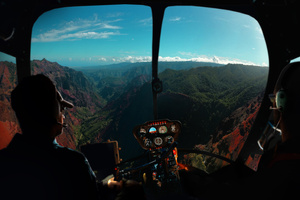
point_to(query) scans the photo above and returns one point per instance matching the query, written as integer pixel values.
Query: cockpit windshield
(213, 65)
(100, 59)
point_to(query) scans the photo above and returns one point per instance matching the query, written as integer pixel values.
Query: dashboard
(157, 134)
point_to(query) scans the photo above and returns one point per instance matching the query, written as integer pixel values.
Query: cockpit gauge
(169, 139)
(142, 131)
(152, 130)
(173, 128)
(147, 143)
(162, 129)
(158, 141)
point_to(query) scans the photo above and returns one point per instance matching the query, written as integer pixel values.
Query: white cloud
(102, 59)
(175, 19)
(76, 36)
(171, 59)
(203, 58)
(258, 29)
(108, 26)
(146, 22)
(134, 59)
(212, 59)
(189, 54)
(114, 15)
(80, 29)
(264, 64)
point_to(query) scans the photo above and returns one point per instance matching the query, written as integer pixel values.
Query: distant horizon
(204, 59)
(160, 61)
(11, 59)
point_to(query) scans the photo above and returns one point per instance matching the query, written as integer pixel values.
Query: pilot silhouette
(34, 166)
(278, 172)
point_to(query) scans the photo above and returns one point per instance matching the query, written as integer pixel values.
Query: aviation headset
(281, 97)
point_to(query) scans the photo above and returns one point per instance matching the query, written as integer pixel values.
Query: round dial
(147, 142)
(143, 132)
(169, 139)
(173, 128)
(152, 130)
(158, 141)
(162, 129)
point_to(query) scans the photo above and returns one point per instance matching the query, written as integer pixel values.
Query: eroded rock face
(73, 85)
(8, 121)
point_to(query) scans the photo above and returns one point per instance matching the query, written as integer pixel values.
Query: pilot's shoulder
(4, 154)
(70, 154)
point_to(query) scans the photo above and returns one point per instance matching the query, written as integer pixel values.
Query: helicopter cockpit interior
(173, 91)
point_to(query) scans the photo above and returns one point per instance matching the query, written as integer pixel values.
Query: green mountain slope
(112, 79)
(199, 97)
(202, 97)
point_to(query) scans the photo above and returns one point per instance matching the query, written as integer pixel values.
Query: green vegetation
(111, 100)
(201, 97)
(209, 84)
(111, 80)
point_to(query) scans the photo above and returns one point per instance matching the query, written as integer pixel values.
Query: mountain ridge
(73, 85)
(200, 97)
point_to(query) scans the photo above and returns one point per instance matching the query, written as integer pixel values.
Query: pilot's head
(39, 106)
(287, 98)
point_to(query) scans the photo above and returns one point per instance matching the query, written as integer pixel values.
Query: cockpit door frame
(157, 16)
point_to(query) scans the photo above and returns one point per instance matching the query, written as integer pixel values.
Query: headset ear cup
(281, 99)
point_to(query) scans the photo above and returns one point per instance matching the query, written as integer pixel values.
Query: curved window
(99, 58)
(213, 65)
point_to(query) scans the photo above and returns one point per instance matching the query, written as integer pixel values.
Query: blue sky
(89, 36)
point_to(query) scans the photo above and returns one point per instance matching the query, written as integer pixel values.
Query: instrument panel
(157, 134)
